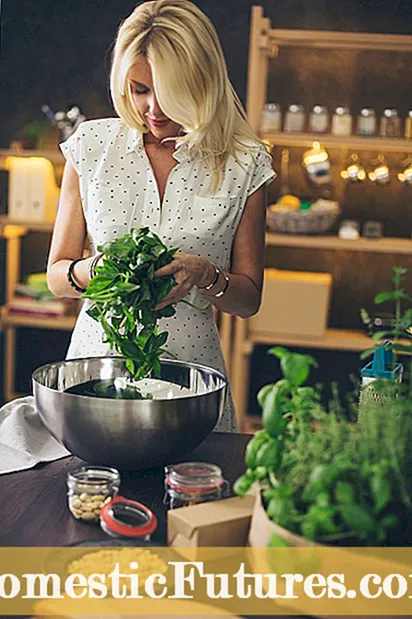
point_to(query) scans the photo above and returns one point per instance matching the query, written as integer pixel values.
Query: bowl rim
(196, 366)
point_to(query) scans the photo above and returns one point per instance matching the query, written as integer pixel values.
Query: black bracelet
(70, 278)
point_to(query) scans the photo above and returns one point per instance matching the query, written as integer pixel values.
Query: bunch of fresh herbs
(125, 295)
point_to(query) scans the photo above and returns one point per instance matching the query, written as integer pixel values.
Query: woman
(180, 159)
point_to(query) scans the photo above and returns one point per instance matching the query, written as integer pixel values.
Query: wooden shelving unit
(55, 156)
(264, 45)
(306, 140)
(13, 231)
(60, 323)
(334, 339)
(386, 245)
(34, 226)
(331, 39)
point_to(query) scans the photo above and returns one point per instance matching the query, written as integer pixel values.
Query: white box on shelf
(294, 303)
(33, 191)
(17, 202)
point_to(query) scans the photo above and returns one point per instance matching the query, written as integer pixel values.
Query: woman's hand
(188, 271)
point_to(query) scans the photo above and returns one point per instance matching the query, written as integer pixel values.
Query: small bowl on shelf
(318, 219)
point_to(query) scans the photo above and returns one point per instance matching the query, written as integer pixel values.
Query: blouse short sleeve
(72, 147)
(263, 172)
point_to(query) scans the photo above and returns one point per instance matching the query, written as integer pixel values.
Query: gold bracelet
(225, 287)
(214, 280)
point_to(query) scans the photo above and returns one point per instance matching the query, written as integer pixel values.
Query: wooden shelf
(60, 323)
(334, 339)
(352, 142)
(55, 156)
(384, 245)
(35, 226)
(326, 39)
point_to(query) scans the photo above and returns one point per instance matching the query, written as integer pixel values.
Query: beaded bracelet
(70, 278)
(225, 287)
(214, 281)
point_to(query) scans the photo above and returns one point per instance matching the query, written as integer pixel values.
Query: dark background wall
(58, 52)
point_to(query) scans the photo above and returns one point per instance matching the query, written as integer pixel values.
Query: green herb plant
(124, 296)
(399, 336)
(323, 477)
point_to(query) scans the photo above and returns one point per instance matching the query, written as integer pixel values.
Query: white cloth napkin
(24, 440)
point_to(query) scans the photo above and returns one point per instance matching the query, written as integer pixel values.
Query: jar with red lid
(189, 483)
(124, 518)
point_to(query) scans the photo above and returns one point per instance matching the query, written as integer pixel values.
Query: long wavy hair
(190, 80)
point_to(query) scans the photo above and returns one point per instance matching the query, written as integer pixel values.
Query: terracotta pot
(321, 559)
(262, 528)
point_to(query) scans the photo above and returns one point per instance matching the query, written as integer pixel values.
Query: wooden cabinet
(264, 45)
(13, 233)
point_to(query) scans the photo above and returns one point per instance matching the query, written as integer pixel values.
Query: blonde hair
(190, 80)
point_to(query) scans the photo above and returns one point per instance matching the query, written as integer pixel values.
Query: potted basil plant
(321, 479)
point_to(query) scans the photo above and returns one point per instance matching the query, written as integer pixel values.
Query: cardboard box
(218, 523)
(293, 303)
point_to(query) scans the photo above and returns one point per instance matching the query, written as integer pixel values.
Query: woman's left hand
(188, 271)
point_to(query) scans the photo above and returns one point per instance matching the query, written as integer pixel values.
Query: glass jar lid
(194, 477)
(367, 111)
(272, 107)
(94, 477)
(319, 109)
(390, 113)
(295, 108)
(126, 518)
(342, 111)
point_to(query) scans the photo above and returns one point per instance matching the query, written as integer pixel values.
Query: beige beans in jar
(89, 488)
(86, 506)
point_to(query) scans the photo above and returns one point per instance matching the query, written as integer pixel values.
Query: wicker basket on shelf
(311, 221)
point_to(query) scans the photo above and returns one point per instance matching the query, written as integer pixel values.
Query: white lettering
(364, 586)
(336, 582)
(150, 584)
(312, 581)
(181, 578)
(115, 577)
(267, 591)
(96, 582)
(73, 581)
(402, 586)
(220, 580)
(14, 586)
(240, 577)
(43, 580)
(291, 579)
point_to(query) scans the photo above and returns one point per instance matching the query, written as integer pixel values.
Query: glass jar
(319, 119)
(124, 518)
(189, 483)
(294, 119)
(390, 124)
(271, 118)
(367, 122)
(341, 121)
(89, 489)
(408, 126)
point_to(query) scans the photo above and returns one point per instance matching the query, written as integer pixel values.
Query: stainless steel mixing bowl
(128, 434)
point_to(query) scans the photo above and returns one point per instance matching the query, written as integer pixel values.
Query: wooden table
(33, 503)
